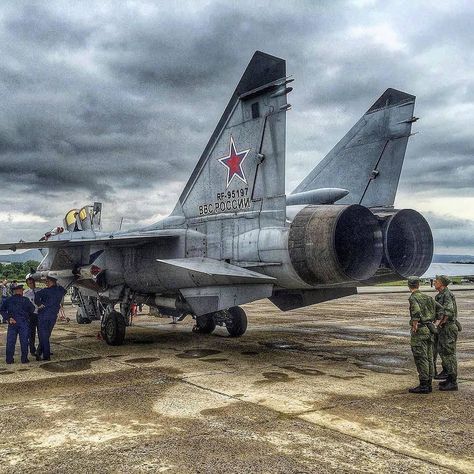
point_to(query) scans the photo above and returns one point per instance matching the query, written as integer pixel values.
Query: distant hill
(437, 258)
(22, 257)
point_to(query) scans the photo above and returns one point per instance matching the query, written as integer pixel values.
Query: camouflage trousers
(447, 337)
(422, 349)
(436, 352)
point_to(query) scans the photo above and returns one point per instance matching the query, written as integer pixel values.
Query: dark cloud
(34, 23)
(451, 233)
(116, 100)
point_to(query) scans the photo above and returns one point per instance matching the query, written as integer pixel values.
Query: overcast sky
(115, 101)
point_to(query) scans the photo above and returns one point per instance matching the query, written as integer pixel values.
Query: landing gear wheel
(236, 324)
(113, 329)
(80, 319)
(205, 324)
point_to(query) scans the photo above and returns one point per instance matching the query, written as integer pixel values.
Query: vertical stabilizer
(368, 160)
(242, 168)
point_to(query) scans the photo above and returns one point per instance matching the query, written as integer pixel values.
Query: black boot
(451, 385)
(441, 376)
(422, 388)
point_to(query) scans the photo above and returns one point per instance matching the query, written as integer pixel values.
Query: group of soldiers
(434, 330)
(434, 327)
(26, 314)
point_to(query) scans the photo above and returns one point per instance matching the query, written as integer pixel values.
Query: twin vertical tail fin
(242, 168)
(368, 160)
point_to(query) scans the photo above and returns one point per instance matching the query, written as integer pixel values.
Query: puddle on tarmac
(388, 364)
(284, 345)
(302, 370)
(6, 372)
(350, 337)
(273, 377)
(388, 360)
(334, 357)
(142, 360)
(249, 353)
(112, 356)
(65, 338)
(213, 360)
(347, 377)
(197, 353)
(381, 369)
(66, 366)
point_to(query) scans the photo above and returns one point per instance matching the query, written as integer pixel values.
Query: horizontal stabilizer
(287, 300)
(197, 271)
(72, 239)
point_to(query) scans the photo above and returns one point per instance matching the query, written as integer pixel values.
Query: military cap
(443, 279)
(17, 287)
(49, 277)
(413, 280)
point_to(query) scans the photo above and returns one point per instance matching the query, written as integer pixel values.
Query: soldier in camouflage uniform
(446, 319)
(422, 314)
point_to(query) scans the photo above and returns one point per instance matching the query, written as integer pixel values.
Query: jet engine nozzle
(335, 244)
(408, 243)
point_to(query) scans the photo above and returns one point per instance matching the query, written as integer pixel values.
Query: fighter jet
(235, 237)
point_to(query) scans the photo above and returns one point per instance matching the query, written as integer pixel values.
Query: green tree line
(16, 270)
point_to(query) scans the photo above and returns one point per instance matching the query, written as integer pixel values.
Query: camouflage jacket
(446, 305)
(422, 307)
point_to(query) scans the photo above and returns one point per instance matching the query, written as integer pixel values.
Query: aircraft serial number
(235, 193)
(229, 201)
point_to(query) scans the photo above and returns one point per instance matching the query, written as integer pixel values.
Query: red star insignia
(233, 162)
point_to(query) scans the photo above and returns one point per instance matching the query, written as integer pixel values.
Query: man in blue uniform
(30, 294)
(17, 310)
(48, 301)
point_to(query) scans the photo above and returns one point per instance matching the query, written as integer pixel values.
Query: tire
(205, 324)
(237, 321)
(113, 329)
(80, 319)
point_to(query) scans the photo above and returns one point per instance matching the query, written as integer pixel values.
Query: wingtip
(390, 98)
(266, 55)
(262, 69)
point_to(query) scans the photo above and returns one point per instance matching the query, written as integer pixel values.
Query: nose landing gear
(234, 319)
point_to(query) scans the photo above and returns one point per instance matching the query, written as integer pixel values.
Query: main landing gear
(113, 328)
(234, 319)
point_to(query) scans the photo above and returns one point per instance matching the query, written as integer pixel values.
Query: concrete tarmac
(316, 390)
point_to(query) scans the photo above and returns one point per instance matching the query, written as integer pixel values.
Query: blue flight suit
(19, 308)
(48, 301)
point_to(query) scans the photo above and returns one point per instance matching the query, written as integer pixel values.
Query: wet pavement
(320, 389)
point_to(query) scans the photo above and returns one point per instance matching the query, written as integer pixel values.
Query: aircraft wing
(449, 269)
(208, 271)
(68, 240)
(210, 285)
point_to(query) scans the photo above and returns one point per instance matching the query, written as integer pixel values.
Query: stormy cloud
(115, 101)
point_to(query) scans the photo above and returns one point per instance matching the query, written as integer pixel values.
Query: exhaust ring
(408, 243)
(335, 244)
